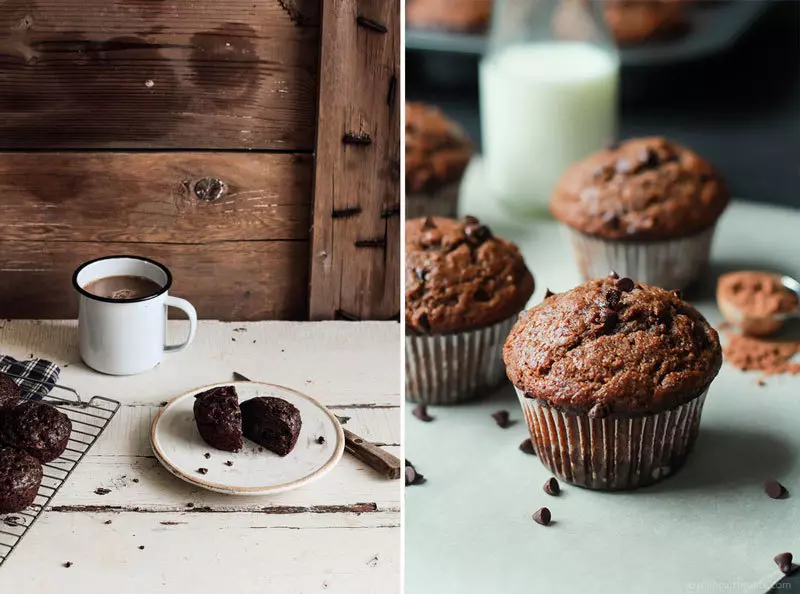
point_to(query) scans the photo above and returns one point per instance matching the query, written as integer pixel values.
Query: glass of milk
(548, 93)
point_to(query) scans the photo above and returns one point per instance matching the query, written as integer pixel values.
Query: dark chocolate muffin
(633, 22)
(20, 477)
(460, 277)
(36, 428)
(9, 393)
(219, 419)
(449, 15)
(612, 378)
(640, 189)
(272, 423)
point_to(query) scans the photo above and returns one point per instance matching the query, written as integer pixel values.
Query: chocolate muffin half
(20, 477)
(37, 428)
(9, 393)
(464, 289)
(612, 378)
(272, 423)
(219, 419)
(645, 207)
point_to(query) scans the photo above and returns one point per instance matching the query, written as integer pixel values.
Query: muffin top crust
(460, 277)
(612, 347)
(437, 149)
(640, 189)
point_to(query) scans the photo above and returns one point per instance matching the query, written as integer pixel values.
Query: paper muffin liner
(441, 203)
(453, 368)
(612, 453)
(670, 263)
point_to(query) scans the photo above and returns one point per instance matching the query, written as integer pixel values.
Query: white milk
(544, 106)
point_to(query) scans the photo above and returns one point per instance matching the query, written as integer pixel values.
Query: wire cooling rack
(89, 420)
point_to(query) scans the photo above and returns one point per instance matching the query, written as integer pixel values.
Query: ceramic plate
(178, 446)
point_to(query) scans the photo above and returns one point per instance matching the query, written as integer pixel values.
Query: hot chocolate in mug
(122, 330)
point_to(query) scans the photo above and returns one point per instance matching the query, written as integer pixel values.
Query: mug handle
(190, 311)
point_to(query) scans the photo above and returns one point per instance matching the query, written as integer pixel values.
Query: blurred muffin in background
(645, 207)
(637, 21)
(437, 153)
(467, 16)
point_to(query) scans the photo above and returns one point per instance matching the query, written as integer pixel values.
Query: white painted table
(709, 528)
(339, 534)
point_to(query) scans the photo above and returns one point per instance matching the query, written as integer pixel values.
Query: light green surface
(709, 528)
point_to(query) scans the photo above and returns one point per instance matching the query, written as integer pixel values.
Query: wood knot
(210, 189)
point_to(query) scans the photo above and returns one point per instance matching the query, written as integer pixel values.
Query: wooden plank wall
(85, 84)
(355, 267)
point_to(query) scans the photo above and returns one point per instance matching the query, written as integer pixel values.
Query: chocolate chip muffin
(219, 419)
(272, 423)
(464, 16)
(9, 393)
(437, 153)
(36, 428)
(633, 22)
(645, 207)
(20, 477)
(464, 289)
(612, 378)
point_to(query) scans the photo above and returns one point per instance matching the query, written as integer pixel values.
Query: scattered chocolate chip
(477, 234)
(501, 417)
(141, 547)
(202, 470)
(784, 562)
(107, 522)
(163, 403)
(206, 455)
(551, 487)
(527, 447)
(421, 412)
(135, 480)
(68, 564)
(427, 223)
(774, 489)
(613, 275)
(321, 440)
(190, 504)
(228, 463)
(623, 166)
(342, 420)
(761, 383)
(542, 516)
(548, 293)
(625, 284)
(470, 220)
(102, 491)
(598, 411)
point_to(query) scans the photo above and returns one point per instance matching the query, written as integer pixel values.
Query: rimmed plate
(178, 446)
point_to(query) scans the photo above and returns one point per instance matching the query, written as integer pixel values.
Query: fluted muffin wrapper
(669, 263)
(441, 203)
(612, 453)
(453, 368)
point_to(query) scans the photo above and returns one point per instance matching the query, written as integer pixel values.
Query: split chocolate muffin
(37, 428)
(20, 477)
(646, 208)
(437, 153)
(271, 422)
(219, 419)
(464, 289)
(612, 377)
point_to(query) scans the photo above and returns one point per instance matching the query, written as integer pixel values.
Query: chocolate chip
(102, 491)
(598, 411)
(107, 522)
(548, 293)
(206, 455)
(761, 383)
(625, 284)
(612, 298)
(411, 474)
(551, 487)
(470, 220)
(228, 463)
(527, 447)
(202, 470)
(190, 504)
(427, 223)
(649, 158)
(423, 322)
(135, 480)
(784, 562)
(68, 564)
(141, 547)
(477, 234)
(501, 417)
(774, 489)
(613, 275)
(342, 420)
(421, 412)
(321, 440)
(481, 295)
(542, 516)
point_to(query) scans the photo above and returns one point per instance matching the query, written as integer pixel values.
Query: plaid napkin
(43, 373)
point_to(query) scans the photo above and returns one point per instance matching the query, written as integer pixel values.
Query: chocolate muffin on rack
(20, 477)
(464, 289)
(9, 393)
(37, 428)
(219, 419)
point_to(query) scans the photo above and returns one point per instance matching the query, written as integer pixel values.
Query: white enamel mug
(126, 336)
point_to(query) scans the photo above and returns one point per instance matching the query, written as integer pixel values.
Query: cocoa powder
(770, 357)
